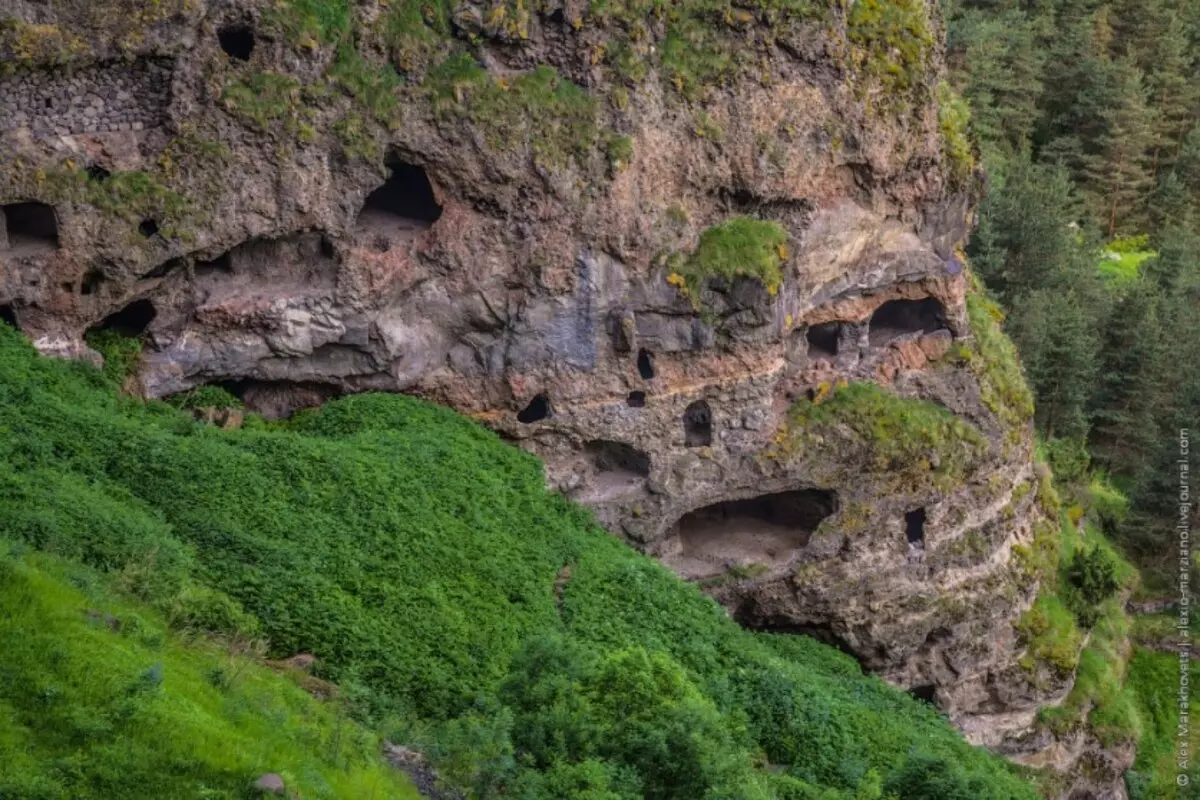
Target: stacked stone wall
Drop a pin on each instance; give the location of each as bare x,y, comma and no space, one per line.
101,99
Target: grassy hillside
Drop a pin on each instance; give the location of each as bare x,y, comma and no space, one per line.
460,606
98,700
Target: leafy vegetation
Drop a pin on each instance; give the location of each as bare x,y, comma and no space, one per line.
1087,119
417,557
99,700
912,441
891,44
741,247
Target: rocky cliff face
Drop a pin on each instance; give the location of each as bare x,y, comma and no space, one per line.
541,216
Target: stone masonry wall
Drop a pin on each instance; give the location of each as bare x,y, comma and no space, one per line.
102,99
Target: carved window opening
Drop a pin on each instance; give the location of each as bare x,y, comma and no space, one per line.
914,526
697,425
132,320
537,410
823,339
148,227
645,364
31,227
897,318
91,282
636,400
237,41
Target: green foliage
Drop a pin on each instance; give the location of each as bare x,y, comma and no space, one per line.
1093,576
891,45
1069,460
99,701
266,98
121,353
871,429
417,557
954,119
993,359
206,397
1153,685
741,247
538,110
1050,635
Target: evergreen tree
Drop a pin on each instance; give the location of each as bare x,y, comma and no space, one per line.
1056,335
1118,172
1128,398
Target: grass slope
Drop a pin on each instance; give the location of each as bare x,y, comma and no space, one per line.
455,600
97,700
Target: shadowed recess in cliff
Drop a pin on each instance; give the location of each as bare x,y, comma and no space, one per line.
237,40
765,530
403,206
132,320
619,468
823,339
280,399
537,410
30,228
897,318
697,425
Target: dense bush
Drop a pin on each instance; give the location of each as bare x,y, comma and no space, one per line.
416,556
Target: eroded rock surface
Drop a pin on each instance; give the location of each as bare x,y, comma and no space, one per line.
502,237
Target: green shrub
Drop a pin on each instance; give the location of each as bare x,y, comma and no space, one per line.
206,397
417,557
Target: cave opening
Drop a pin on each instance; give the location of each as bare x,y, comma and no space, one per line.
914,526
767,529
98,173
131,321
636,400
404,204
823,339
237,40
222,264
926,693
645,364
697,425
897,318
610,456
91,282
148,227
8,315
31,227
537,410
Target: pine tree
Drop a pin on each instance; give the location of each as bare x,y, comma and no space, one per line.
1117,172
1056,335
1132,365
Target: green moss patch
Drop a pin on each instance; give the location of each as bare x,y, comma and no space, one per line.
912,442
742,247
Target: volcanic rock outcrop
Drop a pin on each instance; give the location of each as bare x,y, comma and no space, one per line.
507,211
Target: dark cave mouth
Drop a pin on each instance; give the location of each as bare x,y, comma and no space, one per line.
767,529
